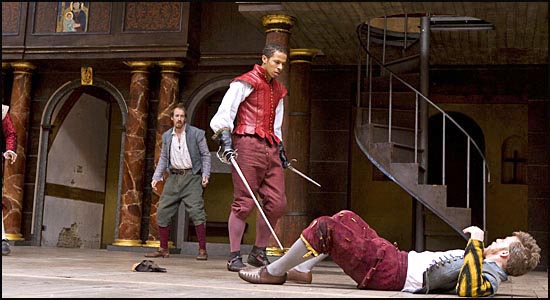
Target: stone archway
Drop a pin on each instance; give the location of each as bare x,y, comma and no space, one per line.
47,132
199,112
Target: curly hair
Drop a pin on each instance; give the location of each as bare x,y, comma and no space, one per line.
524,255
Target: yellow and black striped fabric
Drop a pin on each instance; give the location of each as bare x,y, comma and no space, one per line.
471,282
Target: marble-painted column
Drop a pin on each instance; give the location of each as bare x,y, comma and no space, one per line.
131,195
277,30
297,145
5,68
168,96
14,175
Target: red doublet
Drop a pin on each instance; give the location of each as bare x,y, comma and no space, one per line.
256,114
9,134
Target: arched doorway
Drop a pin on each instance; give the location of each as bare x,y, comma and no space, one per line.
201,107
79,166
455,162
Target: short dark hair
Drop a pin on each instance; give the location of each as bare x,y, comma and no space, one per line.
271,48
181,106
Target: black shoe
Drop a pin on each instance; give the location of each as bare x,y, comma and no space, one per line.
5,247
235,264
257,257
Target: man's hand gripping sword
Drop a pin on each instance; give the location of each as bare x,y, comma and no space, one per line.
228,157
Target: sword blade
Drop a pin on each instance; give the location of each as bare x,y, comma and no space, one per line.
236,166
303,175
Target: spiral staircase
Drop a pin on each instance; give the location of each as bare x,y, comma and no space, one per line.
391,120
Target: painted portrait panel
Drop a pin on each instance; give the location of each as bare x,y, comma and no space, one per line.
72,17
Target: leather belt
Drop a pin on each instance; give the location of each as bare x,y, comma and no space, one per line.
180,171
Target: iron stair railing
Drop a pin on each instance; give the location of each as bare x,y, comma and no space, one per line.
369,59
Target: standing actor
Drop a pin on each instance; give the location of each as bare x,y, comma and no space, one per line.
186,157
255,100
9,146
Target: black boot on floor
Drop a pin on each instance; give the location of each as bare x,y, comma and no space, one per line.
257,257
235,262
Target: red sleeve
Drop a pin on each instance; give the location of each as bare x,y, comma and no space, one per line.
9,133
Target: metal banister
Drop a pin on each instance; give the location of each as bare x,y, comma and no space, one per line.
392,75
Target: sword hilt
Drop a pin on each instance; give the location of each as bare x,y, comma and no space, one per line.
226,156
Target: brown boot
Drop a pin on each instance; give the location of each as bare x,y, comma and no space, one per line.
203,255
165,253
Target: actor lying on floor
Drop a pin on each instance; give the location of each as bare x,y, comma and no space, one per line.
375,263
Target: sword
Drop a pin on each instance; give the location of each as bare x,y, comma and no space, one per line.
236,166
291,168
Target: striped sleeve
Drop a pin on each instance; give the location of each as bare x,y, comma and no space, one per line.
471,282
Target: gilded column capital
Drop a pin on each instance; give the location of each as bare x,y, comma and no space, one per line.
302,55
170,66
278,23
139,66
5,66
22,67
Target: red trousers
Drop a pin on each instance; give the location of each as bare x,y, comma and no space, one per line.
371,261
260,163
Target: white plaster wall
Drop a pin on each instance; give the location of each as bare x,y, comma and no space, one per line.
61,213
78,155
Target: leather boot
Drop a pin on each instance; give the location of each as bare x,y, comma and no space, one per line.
164,253
203,255
235,262
257,257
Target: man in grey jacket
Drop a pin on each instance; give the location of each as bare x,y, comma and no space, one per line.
186,157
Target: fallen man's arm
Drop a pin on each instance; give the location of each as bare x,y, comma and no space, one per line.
471,280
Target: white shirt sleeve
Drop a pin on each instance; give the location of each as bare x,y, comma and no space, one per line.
278,122
224,117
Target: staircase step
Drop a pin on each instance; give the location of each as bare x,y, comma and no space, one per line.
397,161
405,153
382,84
408,64
395,152
400,100
399,135
382,151
406,173
379,32
461,217
434,196
399,117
